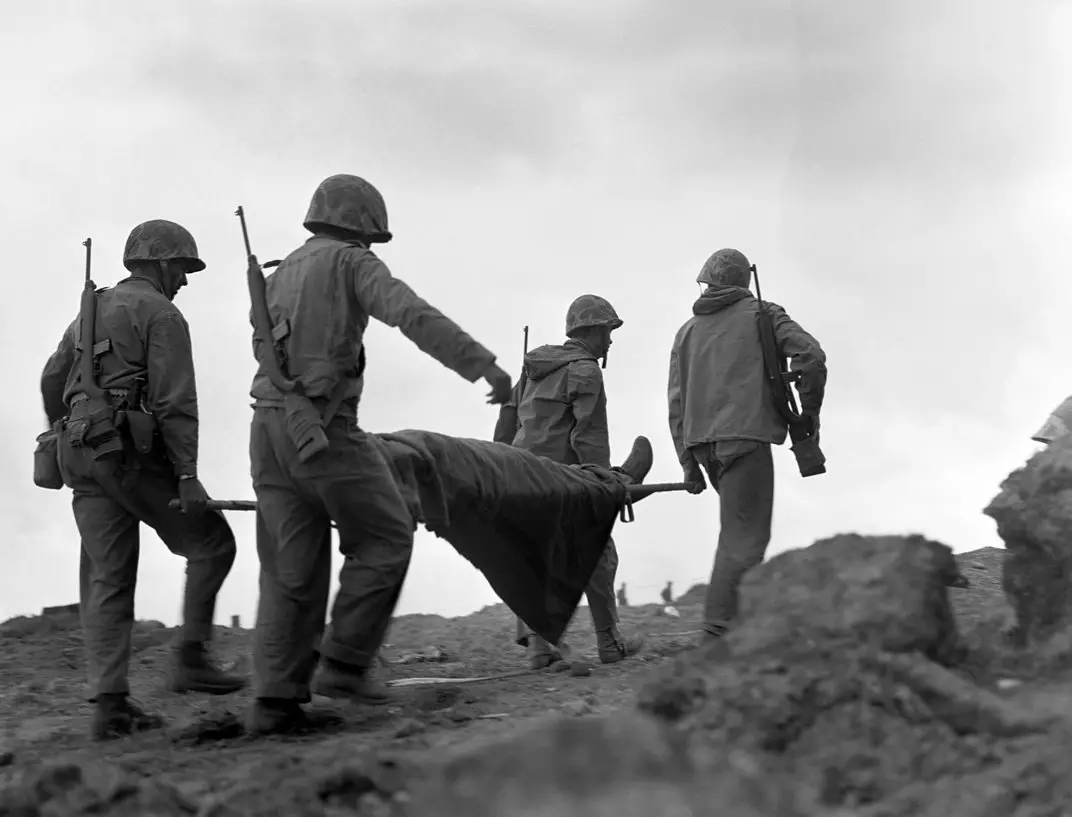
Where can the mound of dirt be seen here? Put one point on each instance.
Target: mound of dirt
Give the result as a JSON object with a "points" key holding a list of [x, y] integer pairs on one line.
{"points": [[837, 694], [694, 595], [1033, 511], [857, 683]]}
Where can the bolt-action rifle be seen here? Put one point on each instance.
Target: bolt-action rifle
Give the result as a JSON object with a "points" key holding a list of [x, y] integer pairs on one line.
{"points": [[303, 421], [802, 429]]}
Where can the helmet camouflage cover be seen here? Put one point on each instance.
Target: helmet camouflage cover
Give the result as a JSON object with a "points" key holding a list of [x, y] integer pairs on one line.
{"points": [[349, 203], [591, 310], [726, 267], [161, 240]]}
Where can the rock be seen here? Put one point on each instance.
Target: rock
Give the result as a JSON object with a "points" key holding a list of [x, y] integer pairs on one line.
{"points": [[576, 709], [959, 581], [627, 765], [7, 758], [580, 669], [207, 728], [888, 591], [306, 786], [831, 677], [66, 788], [409, 727], [1033, 512], [978, 566]]}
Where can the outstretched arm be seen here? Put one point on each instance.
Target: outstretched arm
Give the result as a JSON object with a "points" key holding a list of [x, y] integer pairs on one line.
{"points": [[393, 302]]}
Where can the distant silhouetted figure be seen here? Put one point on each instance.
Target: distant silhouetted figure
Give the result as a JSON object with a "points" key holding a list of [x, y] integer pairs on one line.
{"points": [[622, 600], [668, 593]]}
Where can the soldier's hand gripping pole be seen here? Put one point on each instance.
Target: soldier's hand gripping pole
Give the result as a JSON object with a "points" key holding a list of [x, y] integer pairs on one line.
{"points": [[635, 493], [303, 421]]}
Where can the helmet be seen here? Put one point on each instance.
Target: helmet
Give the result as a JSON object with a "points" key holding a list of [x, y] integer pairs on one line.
{"points": [[349, 203], [1057, 424], [160, 240], [726, 267], [590, 310]]}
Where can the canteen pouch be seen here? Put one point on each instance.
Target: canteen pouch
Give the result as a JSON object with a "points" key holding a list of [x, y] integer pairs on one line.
{"points": [[46, 461]]}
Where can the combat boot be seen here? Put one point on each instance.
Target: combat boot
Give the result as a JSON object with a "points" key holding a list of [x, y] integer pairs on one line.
{"points": [[639, 462], [114, 716], [543, 653], [340, 681], [284, 716], [194, 671], [612, 648]]}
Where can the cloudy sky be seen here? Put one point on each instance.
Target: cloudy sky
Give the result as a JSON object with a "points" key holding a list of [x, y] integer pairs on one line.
{"points": [[899, 172]]}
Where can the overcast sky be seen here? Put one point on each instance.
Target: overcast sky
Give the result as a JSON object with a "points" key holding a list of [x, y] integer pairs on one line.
{"points": [[900, 172]]}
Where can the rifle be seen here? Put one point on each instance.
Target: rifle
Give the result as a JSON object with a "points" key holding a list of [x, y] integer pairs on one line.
{"points": [[805, 438], [303, 422], [98, 430], [508, 424]]}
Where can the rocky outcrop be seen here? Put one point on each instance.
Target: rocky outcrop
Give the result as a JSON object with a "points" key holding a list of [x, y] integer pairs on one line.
{"points": [[1033, 512], [837, 691]]}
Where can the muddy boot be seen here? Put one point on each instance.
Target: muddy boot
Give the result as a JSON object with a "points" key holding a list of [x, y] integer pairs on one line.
{"points": [[194, 671], [542, 653], [347, 682], [613, 648], [284, 716], [114, 716], [639, 462]]}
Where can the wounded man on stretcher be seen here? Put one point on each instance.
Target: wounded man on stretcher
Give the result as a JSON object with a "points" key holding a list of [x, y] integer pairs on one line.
{"points": [[535, 528]]}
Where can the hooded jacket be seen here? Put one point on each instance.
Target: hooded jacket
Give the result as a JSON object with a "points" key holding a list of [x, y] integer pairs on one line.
{"points": [[717, 387], [562, 413]]}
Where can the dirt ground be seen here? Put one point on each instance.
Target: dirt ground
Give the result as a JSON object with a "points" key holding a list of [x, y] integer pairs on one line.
{"points": [[370, 765]]}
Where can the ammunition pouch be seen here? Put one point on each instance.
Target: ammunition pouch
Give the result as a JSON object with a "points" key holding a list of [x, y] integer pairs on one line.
{"points": [[141, 427], [94, 423], [46, 461], [304, 425]]}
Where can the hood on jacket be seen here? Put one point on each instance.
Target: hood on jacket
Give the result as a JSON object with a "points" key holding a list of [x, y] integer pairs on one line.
{"points": [[544, 360], [717, 298]]}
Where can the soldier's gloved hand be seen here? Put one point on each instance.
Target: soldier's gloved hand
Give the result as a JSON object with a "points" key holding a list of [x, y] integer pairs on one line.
{"points": [[192, 496], [694, 477], [500, 385]]}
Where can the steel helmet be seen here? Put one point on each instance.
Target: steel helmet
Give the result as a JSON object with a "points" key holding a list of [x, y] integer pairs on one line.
{"points": [[349, 203], [161, 240], [1057, 424], [590, 310], [726, 267]]}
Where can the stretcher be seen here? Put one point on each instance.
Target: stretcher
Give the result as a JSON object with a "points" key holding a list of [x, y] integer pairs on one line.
{"points": [[535, 528]]}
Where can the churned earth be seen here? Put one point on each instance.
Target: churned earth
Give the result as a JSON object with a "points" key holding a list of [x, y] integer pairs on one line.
{"points": [[662, 733]]}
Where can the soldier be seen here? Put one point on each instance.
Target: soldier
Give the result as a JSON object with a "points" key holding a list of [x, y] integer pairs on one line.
{"points": [[143, 357], [723, 417], [560, 406], [321, 298], [668, 593]]}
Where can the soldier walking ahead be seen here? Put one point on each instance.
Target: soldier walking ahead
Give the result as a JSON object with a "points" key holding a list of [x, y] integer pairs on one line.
{"points": [[723, 417], [561, 414], [144, 364], [321, 299]]}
